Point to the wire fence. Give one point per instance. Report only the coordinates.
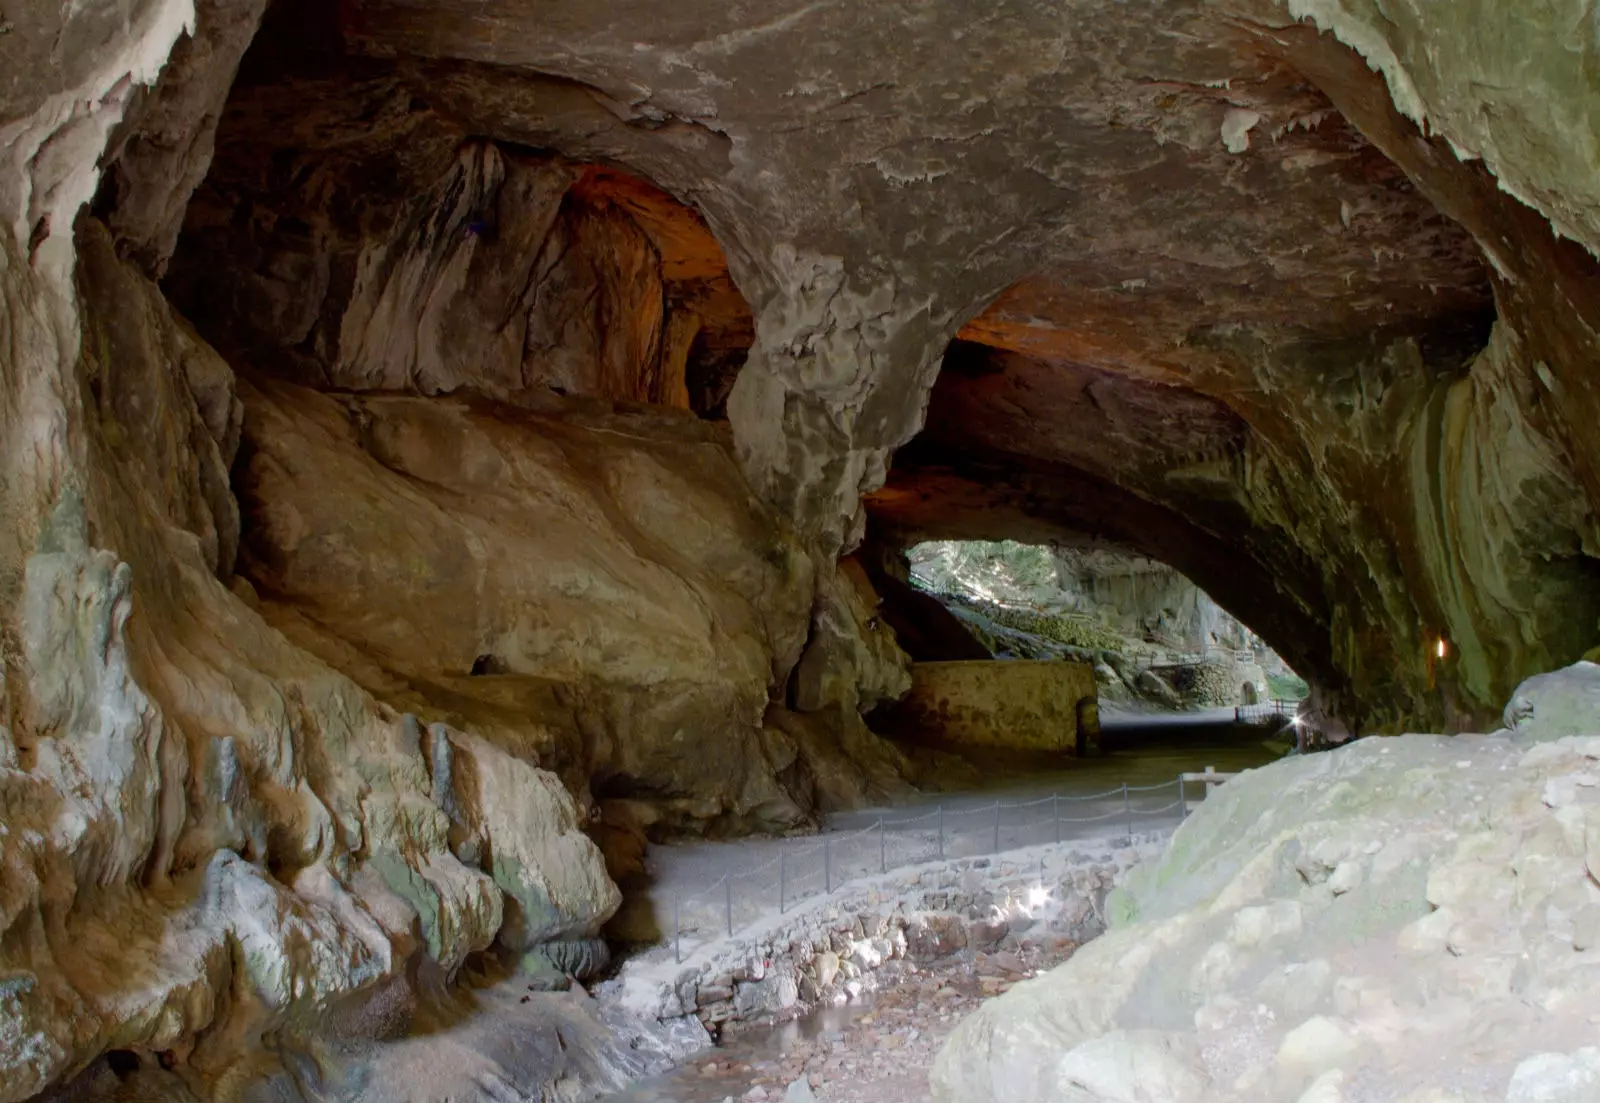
(820, 865)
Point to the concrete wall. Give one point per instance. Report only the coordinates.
(1018, 705)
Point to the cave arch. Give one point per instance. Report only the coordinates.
(1292, 470)
(1285, 460)
(368, 226)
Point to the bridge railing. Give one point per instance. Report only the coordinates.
(1275, 709)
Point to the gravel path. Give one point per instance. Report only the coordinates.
(880, 1050)
(771, 873)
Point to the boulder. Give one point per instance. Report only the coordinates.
(1155, 689)
(1555, 705)
(576, 584)
(1132, 1067)
(1556, 1078)
(526, 826)
(1461, 864)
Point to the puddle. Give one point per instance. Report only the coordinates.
(761, 1049)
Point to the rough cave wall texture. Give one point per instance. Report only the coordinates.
(1310, 316)
(1141, 596)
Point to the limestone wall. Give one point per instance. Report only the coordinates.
(1032, 706)
(1417, 913)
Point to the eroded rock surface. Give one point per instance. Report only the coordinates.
(1413, 914)
(601, 593)
(1228, 291)
(210, 835)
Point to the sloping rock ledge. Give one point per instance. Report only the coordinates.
(1409, 919)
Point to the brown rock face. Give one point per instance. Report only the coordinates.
(1217, 299)
(1355, 473)
(326, 559)
(349, 237)
(592, 590)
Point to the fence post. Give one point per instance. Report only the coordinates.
(782, 877)
(883, 846)
(1055, 804)
(677, 932)
(827, 865)
(728, 885)
(1127, 811)
(941, 832)
(1183, 800)
(997, 827)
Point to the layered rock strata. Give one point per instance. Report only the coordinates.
(212, 838)
(233, 827)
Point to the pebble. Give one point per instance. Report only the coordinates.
(880, 1056)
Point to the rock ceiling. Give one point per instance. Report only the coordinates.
(1212, 294)
(397, 394)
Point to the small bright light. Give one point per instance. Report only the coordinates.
(1440, 651)
(1037, 895)
(1299, 721)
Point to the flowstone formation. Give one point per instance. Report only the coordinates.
(429, 433)
(1412, 919)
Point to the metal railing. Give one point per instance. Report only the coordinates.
(821, 865)
(1266, 710)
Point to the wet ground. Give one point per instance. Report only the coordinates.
(879, 1050)
(1040, 801)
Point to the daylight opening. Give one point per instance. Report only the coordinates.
(1155, 639)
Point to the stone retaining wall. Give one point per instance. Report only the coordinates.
(1014, 704)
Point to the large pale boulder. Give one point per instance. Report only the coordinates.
(1132, 1067)
(1411, 911)
(1555, 705)
(1556, 1078)
(524, 828)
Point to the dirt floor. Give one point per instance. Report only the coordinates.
(878, 1050)
(881, 1049)
(1144, 751)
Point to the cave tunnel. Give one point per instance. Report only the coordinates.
(1028, 657)
(1183, 426)
(455, 456)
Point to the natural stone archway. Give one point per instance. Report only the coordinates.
(1296, 263)
(1314, 469)
(596, 578)
(1259, 153)
(1220, 293)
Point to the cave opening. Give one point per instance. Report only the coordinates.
(424, 560)
(1042, 648)
(1187, 407)
(1122, 613)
